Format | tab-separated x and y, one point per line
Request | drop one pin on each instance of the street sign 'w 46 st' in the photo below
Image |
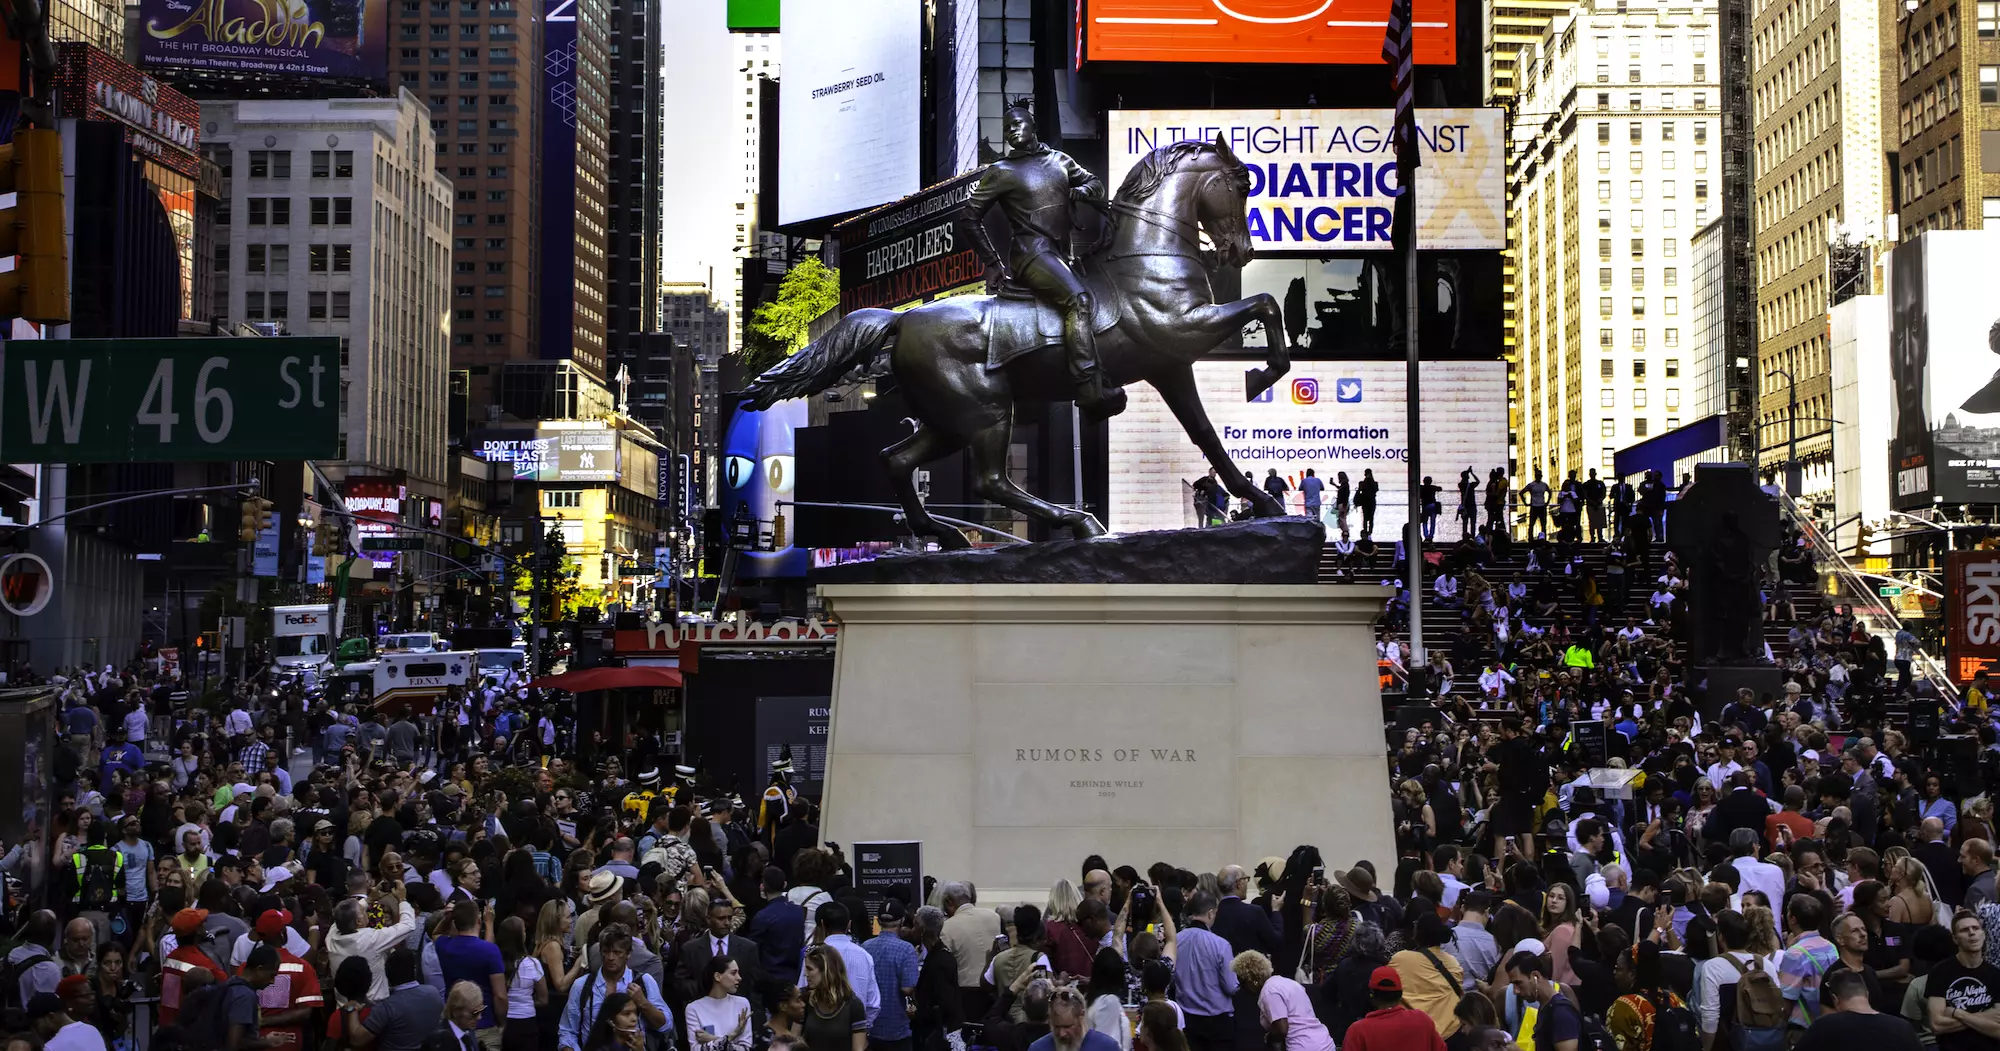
122	400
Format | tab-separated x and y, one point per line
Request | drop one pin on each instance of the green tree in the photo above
556	576
778	328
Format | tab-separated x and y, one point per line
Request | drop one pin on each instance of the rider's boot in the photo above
1098	401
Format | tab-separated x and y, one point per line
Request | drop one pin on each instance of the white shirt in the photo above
721	1018
237	722
372	943
240	951
1766	877
136	724
1712	974
1718	775
860	973
1663	598
76	1036
521	991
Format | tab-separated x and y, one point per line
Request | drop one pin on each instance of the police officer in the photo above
640	800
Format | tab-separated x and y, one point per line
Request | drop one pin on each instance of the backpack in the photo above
100	878
1674	1029
13	1012
204	1016
1760	1004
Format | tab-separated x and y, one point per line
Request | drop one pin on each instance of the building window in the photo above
1604	307
1673	397
343	258
1638	339
253	259
1606	368
562	498
279	306
1607	398
318	210
1603	132
1989	84
1638	307
1603	100
316	305
1638	426
253	306
316	258
1639	398
1604	249
1604	338
1989	18
1603	191
1639	369
1607	428
260	211
341	304
1604	277
281	259
1672	306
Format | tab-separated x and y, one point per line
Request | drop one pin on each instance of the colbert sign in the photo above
160	122
910	251
1972	584
1293	31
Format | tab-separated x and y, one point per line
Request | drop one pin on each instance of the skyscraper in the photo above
1818	143
1948	87
475	63
1606	195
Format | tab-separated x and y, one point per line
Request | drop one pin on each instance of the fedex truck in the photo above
299	635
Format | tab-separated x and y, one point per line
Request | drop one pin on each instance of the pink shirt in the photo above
1283	998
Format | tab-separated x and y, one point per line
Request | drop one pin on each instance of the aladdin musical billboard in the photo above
313	38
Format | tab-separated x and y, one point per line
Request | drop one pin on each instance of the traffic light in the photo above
1864	534
326	537
778	531
256	518
31	228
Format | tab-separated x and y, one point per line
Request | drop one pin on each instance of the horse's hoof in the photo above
1084	526
950	539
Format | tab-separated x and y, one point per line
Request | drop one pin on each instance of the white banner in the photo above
1324	180
1329	416
848	105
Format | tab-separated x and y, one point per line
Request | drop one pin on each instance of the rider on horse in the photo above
1034	186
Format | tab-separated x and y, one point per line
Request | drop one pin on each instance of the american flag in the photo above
1399	50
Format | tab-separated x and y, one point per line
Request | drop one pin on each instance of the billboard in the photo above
1330	416
760	468
849	124
1296	31
911	251
752	16
318	38
1944	330
558	157
1325	179
1972	588
159	122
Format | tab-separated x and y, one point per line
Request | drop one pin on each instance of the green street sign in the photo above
392	543
1890	590
131	400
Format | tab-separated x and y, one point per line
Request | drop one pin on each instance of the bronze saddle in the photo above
1016	323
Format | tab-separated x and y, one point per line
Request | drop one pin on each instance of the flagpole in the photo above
1413	542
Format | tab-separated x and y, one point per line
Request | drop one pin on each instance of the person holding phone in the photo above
720	1020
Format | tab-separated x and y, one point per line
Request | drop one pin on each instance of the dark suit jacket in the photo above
1741	808
690	973
1245	927
779	931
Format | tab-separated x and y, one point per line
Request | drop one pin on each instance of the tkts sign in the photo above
1973	589
160	122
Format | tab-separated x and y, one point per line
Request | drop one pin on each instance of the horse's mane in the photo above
1144	180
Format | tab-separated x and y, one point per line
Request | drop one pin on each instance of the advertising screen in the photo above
759	469
910	251
1301	31
320	38
586	456
849	128
1325	179
1944	333
1327	416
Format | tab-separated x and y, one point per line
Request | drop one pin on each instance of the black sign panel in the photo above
1590	740
909	251
798	723
885	870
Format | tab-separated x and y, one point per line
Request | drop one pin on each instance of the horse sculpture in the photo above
963	363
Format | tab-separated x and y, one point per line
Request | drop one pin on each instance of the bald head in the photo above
1932	829
1232	880
1097	885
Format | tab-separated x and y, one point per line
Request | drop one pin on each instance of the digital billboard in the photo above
1330	416
849	124
1293	31
1944	333
1325	179
316	38
760	468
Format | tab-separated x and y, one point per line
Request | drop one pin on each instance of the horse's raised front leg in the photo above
1223	320
1177	388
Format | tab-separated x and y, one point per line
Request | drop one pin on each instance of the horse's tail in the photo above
853	342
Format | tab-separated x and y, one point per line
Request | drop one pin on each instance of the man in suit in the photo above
778	930
1941	861
1243	925
1246	928
691	972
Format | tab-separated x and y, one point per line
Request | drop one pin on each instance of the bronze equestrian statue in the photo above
963	363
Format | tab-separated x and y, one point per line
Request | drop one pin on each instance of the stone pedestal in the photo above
1017	728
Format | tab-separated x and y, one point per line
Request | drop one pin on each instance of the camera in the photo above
1144	904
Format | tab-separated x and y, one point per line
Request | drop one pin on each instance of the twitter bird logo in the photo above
1347	391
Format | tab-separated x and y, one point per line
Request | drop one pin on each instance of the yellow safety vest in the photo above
1525	1039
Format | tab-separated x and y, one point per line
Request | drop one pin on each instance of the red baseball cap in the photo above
273	922
1385	980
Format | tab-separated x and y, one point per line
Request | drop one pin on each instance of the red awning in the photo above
609	679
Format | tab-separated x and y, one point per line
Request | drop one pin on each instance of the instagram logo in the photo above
1305	391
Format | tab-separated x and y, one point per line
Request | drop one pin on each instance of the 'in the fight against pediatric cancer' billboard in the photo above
1324	180
1329	416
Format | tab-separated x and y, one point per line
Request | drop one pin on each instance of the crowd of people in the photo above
1589	854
